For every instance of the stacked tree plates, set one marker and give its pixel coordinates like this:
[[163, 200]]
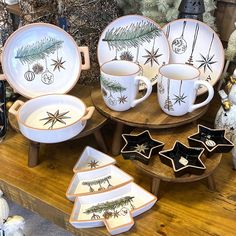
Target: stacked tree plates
[[104, 194]]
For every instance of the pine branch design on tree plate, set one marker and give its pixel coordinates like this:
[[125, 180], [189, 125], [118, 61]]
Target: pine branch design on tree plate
[[109, 208], [132, 35], [96, 182], [38, 50]]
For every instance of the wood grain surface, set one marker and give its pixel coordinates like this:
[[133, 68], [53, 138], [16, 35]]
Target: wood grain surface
[[147, 114], [184, 209]]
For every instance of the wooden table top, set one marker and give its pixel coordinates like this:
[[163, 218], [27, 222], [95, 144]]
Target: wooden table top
[[147, 114], [184, 209], [83, 92], [163, 172]]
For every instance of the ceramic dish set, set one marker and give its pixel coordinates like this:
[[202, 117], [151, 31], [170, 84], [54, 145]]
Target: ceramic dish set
[[184, 44], [181, 158], [43, 63], [104, 194], [43, 60], [37, 62]]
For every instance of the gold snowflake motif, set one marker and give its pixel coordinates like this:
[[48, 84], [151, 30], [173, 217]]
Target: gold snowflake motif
[[122, 99], [206, 62], [152, 56], [141, 148], [58, 64], [54, 118], [93, 164]]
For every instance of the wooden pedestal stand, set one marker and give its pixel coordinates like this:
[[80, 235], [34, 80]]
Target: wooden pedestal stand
[[161, 172], [147, 115], [92, 127]]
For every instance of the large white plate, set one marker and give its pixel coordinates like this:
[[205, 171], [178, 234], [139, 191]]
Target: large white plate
[[40, 59], [135, 38], [195, 43]]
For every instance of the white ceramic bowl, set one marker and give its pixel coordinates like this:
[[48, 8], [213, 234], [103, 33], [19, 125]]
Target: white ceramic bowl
[[51, 118]]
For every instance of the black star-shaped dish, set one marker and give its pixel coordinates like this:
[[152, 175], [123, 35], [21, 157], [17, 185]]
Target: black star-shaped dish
[[212, 140], [183, 159], [140, 147]]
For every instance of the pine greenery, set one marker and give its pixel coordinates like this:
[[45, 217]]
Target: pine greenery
[[106, 206], [38, 50], [111, 86], [98, 181], [132, 35]]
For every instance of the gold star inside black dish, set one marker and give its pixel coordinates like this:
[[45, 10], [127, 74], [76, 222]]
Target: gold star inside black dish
[[58, 64], [140, 147], [183, 159], [213, 140], [56, 117]]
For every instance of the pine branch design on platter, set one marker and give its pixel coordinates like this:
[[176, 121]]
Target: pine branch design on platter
[[132, 35], [38, 50]]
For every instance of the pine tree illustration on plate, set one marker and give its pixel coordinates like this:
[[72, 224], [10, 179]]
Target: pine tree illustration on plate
[[36, 51], [190, 60], [181, 96], [132, 35], [168, 104], [109, 209], [113, 87]]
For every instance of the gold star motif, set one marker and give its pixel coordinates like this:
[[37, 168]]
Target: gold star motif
[[122, 99], [141, 148], [152, 56], [54, 118], [93, 164], [58, 64]]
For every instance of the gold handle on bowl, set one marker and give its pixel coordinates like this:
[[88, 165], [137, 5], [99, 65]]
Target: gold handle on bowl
[[89, 113], [15, 107]]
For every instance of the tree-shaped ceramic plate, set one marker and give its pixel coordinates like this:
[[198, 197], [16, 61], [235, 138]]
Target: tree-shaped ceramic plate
[[115, 208], [40, 59], [138, 39], [195, 43]]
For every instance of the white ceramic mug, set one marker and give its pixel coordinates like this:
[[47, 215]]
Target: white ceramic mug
[[177, 89], [119, 84]]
